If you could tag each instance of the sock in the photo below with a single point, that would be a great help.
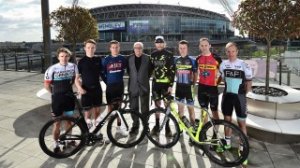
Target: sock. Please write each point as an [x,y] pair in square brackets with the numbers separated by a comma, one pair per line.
[89,123]
[56,144]
[228,140]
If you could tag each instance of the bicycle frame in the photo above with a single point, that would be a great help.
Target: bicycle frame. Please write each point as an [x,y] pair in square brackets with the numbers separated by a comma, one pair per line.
[171,110]
[81,119]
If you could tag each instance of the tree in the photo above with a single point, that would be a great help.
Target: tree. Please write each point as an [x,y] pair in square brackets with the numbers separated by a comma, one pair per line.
[74,24]
[268,19]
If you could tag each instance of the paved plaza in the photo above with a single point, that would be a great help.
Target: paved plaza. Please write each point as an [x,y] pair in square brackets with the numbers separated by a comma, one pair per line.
[22,115]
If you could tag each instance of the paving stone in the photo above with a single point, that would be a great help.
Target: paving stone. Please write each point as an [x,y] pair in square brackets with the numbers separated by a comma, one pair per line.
[259,159]
[285,161]
[283,149]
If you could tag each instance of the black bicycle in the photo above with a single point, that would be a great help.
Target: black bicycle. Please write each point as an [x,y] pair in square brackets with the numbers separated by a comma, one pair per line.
[74,133]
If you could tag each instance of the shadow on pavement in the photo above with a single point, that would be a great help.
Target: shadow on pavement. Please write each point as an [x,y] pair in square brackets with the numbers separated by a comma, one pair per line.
[29,124]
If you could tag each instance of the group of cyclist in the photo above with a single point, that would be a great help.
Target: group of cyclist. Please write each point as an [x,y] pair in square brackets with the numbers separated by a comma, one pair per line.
[207,70]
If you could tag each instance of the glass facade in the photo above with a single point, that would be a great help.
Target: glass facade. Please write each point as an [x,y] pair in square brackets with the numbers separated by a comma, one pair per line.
[171,27]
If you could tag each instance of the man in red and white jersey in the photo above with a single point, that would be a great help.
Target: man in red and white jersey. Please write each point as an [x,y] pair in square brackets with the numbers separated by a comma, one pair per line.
[208,77]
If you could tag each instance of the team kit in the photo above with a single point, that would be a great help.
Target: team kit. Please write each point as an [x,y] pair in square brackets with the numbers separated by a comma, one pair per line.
[207,71]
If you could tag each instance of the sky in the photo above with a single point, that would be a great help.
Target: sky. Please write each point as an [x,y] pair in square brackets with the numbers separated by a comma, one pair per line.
[20,20]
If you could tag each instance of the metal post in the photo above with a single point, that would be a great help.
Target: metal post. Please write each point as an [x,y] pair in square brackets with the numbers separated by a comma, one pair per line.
[46,33]
[28,64]
[4,62]
[280,71]
[43,63]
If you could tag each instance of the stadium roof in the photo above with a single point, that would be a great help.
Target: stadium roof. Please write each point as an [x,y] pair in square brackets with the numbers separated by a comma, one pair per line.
[115,12]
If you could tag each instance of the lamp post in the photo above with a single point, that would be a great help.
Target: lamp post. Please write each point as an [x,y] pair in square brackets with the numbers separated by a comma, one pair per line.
[46,35]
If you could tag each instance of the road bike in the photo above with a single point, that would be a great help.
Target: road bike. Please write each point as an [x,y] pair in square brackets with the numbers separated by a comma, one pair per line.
[74,133]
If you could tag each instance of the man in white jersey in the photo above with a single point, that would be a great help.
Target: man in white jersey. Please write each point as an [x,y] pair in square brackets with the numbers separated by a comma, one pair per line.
[59,79]
[237,76]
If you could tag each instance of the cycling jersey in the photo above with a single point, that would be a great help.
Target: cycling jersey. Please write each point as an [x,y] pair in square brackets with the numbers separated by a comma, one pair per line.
[90,71]
[235,74]
[61,77]
[185,67]
[113,68]
[163,67]
[208,67]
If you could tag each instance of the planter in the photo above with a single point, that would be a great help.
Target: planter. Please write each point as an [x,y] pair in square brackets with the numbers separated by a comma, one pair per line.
[284,107]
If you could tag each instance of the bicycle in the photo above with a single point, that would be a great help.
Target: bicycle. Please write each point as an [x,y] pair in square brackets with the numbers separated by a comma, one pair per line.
[208,136]
[75,136]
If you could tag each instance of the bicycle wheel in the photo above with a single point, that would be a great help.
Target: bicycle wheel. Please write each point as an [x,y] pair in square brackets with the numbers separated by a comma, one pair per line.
[128,134]
[225,152]
[70,136]
[162,138]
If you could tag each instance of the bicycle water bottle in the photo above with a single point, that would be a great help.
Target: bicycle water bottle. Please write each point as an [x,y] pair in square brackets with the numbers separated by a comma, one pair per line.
[186,122]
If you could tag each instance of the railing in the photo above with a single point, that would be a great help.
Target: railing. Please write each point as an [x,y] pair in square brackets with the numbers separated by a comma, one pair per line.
[286,73]
[22,62]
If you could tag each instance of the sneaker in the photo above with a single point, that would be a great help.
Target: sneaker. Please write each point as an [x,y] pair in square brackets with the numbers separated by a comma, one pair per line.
[98,136]
[219,149]
[227,147]
[134,130]
[121,131]
[168,131]
[245,163]
[56,149]
[155,131]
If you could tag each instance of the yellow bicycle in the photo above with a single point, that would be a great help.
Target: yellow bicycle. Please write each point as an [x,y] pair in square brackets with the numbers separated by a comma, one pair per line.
[227,151]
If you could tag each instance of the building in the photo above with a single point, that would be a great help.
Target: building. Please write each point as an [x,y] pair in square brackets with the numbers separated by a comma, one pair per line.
[142,22]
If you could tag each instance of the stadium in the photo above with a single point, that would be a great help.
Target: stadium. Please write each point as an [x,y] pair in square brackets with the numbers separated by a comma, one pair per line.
[129,23]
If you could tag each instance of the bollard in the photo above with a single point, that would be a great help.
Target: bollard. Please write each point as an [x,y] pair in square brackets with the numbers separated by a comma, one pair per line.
[16,62]
[31,64]
[4,62]
[280,71]
[28,62]
[289,77]
[43,64]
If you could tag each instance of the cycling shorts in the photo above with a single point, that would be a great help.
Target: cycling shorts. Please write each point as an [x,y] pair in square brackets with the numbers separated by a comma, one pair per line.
[236,101]
[114,91]
[208,95]
[61,102]
[92,97]
[184,92]
[159,90]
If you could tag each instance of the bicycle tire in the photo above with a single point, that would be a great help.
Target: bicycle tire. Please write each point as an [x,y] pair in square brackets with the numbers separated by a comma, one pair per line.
[238,140]
[77,137]
[131,139]
[161,139]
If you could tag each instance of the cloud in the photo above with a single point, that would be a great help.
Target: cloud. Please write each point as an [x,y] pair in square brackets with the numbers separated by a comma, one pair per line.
[21,19]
